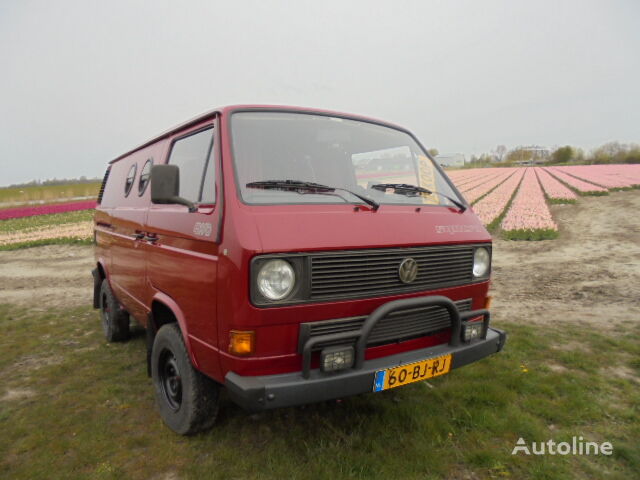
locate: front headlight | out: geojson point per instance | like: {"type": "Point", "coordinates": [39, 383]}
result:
{"type": "Point", "coordinates": [481, 262]}
{"type": "Point", "coordinates": [276, 279]}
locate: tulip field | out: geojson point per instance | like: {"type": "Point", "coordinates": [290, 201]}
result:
{"type": "Point", "coordinates": [46, 224]}
{"type": "Point", "coordinates": [21, 212]}
{"type": "Point", "coordinates": [511, 202]}
{"type": "Point", "coordinates": [516, 201]}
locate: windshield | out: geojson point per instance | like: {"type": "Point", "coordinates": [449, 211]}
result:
{"type": "Point", "coordinates": [331, 151]}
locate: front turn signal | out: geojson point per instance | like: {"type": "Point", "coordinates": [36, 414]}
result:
{"type": "Point", "coordinates": [487, 302]}
{"type": "Point", "coordinates": [242, 342]}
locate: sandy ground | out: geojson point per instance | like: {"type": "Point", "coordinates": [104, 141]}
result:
{"type": "Point", "coordinates": [46, 277]}
{"type": "Point", "coordinates": [590, 274]}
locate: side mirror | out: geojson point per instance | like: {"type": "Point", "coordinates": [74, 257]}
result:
{"type": "Point", "coordinates": [165, 186]}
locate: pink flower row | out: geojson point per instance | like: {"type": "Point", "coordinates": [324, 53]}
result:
{"type": "Point", "coordinates": [491, 206]}
{"type": "Point", "coordinates": [459, 176]}
{"type": "Point", "coordinates": [552, 187]}
{"type": "Point", "coordinates": [20, 212]}
{"type": "Point", "coordinates": [473, 177]}
{"type": "Point", "coordinates": [478, 191]}
{"type": "Point", "coordinates": [486, 175]}
{"type": "Point", "coordinates": [609, 176]}
{"type": "Point", "coordinates": [574, 182]}
{"type": "Point", "coordinates": [529, 210]}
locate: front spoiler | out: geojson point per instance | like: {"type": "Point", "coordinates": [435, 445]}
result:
{"type": "Point", "coordinates": [289, 389]}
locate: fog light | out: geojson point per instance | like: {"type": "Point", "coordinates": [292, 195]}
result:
{"type": "Point", "coordinates": [333, 359]}
{"type": "Point", "coordinates": [471, 331]}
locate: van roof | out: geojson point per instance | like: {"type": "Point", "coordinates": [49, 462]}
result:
{"type": "Point", "coordinates": [231, 108]}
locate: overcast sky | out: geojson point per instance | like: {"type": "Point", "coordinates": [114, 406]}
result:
{"type": "Point", "coordinates": [83, 81]}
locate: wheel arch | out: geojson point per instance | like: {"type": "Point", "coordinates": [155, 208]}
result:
{"type": "Point", "coordinates": [164, 310]}
{"type": "Point", "coordinates": [99, 274]}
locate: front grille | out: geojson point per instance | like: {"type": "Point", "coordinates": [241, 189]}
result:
{"type": "Point", "coordinates": [363, 273]}
{"type": "Point", "coordinates": [398, 326]}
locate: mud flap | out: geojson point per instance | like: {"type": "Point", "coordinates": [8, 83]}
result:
{"type": "Point", "coordinates": [97, 282]}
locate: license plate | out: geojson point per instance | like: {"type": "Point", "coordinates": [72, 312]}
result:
{"type": "Point", "coordinates": [412, 372]}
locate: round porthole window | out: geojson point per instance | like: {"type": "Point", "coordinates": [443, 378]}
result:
{"type": "Point", "coordinates": [145, 176]}
{"type": "Point", "coordinates": [131, 176]}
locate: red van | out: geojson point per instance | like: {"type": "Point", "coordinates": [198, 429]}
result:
{"type": "Point", "coordinates": [291, 256]}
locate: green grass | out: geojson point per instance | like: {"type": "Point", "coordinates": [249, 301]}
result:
{"type": "Point", "coordinates": [88, 412]}
{"type": "Point", "coordinates": [592, 193]}
{"type": "Point", "coordinates": [530, 234]}
{"type": "Point", "coordinates": [48, 192]}
{"type": "Point", "coordinates": [46, 241]}
{"type": "Point", "coordinates": [560, 201]}
{"type": "Point", "coordinates": [37, 221]}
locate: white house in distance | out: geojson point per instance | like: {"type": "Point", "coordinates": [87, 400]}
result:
{"type": "Point", "coordinates": [450, 160]}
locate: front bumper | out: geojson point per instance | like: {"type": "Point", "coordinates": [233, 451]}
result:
{"type": "Point", "coordinates": [312, 385]}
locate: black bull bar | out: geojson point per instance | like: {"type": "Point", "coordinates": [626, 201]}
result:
{"type": "Point", "coordinates": [362, 334]}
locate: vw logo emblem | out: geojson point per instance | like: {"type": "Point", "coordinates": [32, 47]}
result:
{"type": "Point", "coordinates": [408, 270]}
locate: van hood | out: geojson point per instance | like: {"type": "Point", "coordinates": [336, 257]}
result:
{"type": "Point", "coordinates": [296, 230]}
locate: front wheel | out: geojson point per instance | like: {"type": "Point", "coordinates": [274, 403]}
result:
{"type": "Point", "coordinates": [188, 401]}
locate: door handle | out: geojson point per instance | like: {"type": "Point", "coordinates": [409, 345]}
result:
{"type": "Point", "coordinates": [138, 236]}
{"type": "Point", "coordinates": [151, 238]}
{"type": "Point", "coordinates": [106, 225]}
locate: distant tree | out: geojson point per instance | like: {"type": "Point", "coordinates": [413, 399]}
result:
{"type": "Point", "coordinates": [519, 154]}
{"type": "Point", "coordinates": [484, 160]}
{"type": "Point", "coordinates": [633, 155]}
{"type": "Point", "coordinates": [562, 155]}
{"type": "Point", "coordinates": [433, 152]}
{"type": "Point", "coordinates": [608, 152]}
{"type": "Point", "coordinates": [578, 155]}
{"type": "Point", "coordinates": [616, 152]}
{"type": "Point", "coordinates": [500, 152]}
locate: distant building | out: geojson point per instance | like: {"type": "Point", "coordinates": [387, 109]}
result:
{"type": "Point", "coordinates": [535, 154]}
{"type": "Point", "coordinates": [450, 160]}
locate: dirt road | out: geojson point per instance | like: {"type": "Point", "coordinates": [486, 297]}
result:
{"type": "Point", "coordinates": [589, 274]}
{"type": "Point", "coordinates": [45, 277]}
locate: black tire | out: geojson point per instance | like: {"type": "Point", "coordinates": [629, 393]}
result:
{"type": "Point", "coordinates": [188, 400]}
{"type": "Point", "coordinates": [115, 320]}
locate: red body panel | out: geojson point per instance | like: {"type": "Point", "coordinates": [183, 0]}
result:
{"type": "Point", "coordinates": [209, 282]}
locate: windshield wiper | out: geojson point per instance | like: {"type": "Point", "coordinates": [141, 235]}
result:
{"type": "Point", "coordinates": [414, 190]}
{"type": "Point", "coordinates": [308, 187]}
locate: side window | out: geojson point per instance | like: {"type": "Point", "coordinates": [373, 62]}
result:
{"type": "Point", "coordinates": [197, 169]}
{"type": "Point", "coordinates": [131, 176]}
{"type": "Point", "coordinates": [144, 176]}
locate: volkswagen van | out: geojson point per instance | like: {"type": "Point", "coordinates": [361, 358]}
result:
{"type": "Point", "coordinates": [289, 256]}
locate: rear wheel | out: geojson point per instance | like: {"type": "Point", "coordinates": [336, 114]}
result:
{"type": "Point", "coordinates": [115, 321]}
{"type": "Point", "coordinates": [188, 401]}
